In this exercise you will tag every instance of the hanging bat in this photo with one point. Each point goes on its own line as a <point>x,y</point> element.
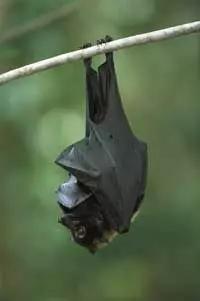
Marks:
<point>107,169</point>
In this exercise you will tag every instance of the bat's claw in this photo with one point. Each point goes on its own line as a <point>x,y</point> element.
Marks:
<point>108,39</point>
<point>86,45</point>
<point>104,40</point>
<point>101,41</point>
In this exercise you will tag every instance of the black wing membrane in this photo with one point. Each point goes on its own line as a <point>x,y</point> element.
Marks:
<point>110,160</point>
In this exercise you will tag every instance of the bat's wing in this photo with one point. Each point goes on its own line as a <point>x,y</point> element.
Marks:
<point>127,154</point>
<point>110,161</point>
<point>71,195</point>
<point>76,161</point>
<point>90,163</point>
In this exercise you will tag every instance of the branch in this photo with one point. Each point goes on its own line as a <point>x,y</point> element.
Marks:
<point>37,23</point>
<point>145,38</point>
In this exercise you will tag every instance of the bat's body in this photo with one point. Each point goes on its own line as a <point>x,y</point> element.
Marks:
<point>109,165</point>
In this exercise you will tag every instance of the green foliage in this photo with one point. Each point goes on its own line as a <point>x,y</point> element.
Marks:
<point>40,115</point>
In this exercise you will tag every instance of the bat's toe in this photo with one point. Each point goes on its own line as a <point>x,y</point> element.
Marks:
<point>86,45</point>
<point>104,40</point>
<point>108,38</point>
<point>100,41</point>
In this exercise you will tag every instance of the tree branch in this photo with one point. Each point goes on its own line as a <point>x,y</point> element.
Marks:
<point>145,38</point>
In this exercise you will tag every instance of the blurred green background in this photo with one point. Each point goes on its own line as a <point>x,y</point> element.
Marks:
<point>40,115</point>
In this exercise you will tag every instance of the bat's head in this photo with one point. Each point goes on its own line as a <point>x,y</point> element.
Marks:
<point>84,219</point>
<point>91,232</point>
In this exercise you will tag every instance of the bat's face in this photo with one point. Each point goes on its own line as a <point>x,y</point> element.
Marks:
<point>88,230</point>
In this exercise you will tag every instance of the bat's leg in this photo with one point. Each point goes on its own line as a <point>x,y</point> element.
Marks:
<point>87,61</point>
<point>87,64</point>
<point>110,95</point>
<point>94,107</point>
<point>106,39</point>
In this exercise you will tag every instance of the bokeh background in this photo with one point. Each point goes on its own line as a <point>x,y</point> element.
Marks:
<point>40,115</point>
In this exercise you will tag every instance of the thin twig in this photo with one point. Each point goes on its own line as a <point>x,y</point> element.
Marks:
<point>38,23</point>
<point>145,38</point>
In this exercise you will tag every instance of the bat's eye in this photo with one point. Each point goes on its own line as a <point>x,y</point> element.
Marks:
<point>80,232</point>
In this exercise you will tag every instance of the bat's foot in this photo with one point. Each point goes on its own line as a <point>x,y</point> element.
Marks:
<point>88,60</point>
<point>86,45</point>
<point>104,40</point>
<point>108,38</point>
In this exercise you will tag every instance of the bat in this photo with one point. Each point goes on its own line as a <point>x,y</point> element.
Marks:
<point>107,168</point>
